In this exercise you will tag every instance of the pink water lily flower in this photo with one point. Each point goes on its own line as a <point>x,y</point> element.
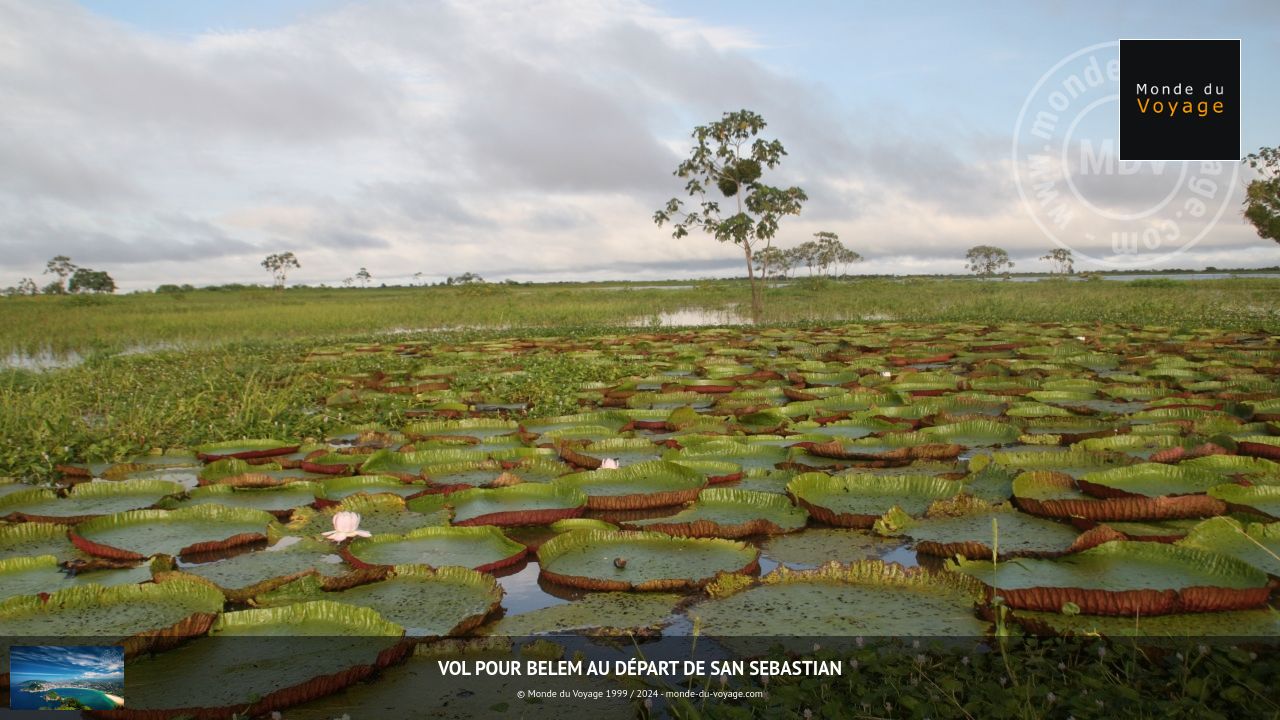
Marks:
<point>609,464</point>
<point>346,525</point>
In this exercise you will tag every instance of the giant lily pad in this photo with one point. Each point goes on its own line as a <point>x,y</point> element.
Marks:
<point>1263,499</point>
<point>244,575</point>
<point>138,534</point>
<point>425,601</point>
<point>1148,480</point>
<point>1255,543</point>
<point>974,433</point>
<point>340,487</point>
<point>30,538</point>
<point>617,560</point>
<point>1125,578</point>
<point>42,574</point>
<point>482,548</point>
<point>972,529</point>
<point>729,513</point>
<point>244,449</point>
<point>407,689</point>
<point>868,598</point>
<point>604,614</point>
<point>379,514</point>
<point>410,465</point>
<point>523,504</point>
<point>819,546</point>
<point>279,500</point>
<point>1056,495</point>
<point>857,500</point>
<point>1252,624</point>
<point>86,500</point>
<point>636,487</point>
<point>322,647</point>
<point>147,615</point>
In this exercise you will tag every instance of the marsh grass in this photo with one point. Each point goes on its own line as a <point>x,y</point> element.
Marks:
<point>32,325</point>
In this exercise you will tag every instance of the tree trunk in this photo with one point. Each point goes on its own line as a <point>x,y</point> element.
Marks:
<point>757,302</point>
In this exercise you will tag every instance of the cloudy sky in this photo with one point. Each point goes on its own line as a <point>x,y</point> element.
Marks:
<point>182,142</point>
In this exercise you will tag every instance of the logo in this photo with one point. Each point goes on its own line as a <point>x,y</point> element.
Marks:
<point>1066,163</point>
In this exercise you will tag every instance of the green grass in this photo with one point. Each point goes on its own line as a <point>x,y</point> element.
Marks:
<point>59,325</point>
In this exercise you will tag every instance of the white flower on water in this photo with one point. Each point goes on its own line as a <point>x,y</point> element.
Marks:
<point>885,373</point>
<point>609,464</point>
<point>346,525</point>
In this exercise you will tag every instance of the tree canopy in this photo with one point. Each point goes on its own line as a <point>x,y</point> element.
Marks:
<point>987,260</point>
<point>1262,196</point>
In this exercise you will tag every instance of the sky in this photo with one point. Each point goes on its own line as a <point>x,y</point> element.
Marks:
<point>182,142</point>
<point>82,662</point>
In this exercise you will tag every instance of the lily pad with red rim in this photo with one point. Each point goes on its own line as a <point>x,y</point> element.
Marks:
<point>729,513</point>
<point>636,487</point>
<point>1125,578</point>
<point>138,534</point>
<point>857,500</point>
<point>515,505</point>
<point>483,548</point>
<point>244,449</point>
<point>423,600</point>
<point>648,561</point>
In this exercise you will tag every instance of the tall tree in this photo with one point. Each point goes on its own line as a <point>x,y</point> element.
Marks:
<point>1060,260</point>
<point>279,265</point>
<point>987,260</point>
<point>364,277</point>
<point>729,156</point>
<point>62,267</point>
<point>1262,196</point>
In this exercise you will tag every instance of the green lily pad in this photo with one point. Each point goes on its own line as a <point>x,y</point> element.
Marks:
<point>974,433</point>
<point>971,532</point>
<point>603,560</point>
<point>1252,624</point>
<point>1255,543</point>
<point>1149,480</point>
<point>605,614</point>
<point>138,534</point>
<point>273,499</point>
<point>819,546</point>
<point>636,487</point>
<point>411,465</point>
<point>857,500</point>
<point>338,488</point>
<point>403,691</point>
<point>729,513</point>
<point>482,548</point>
<point>116,612</point>
<point>244,575</point>
<point>31,538</point>
<point>1125,578</point>
<point>425,601</point>
<point>868,598</point>
<point>380,514</point>
<point>523,504</point>
<point>31,575</point>
<point>88,499</point>
<point>1264,499</point>
<point>243,449</point>
<point>332,646</point>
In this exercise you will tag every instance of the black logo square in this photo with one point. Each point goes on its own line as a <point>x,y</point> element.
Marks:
<point>1180,100</point>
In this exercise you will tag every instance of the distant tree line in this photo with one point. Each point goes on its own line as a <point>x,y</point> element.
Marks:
<point>69,278</point>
